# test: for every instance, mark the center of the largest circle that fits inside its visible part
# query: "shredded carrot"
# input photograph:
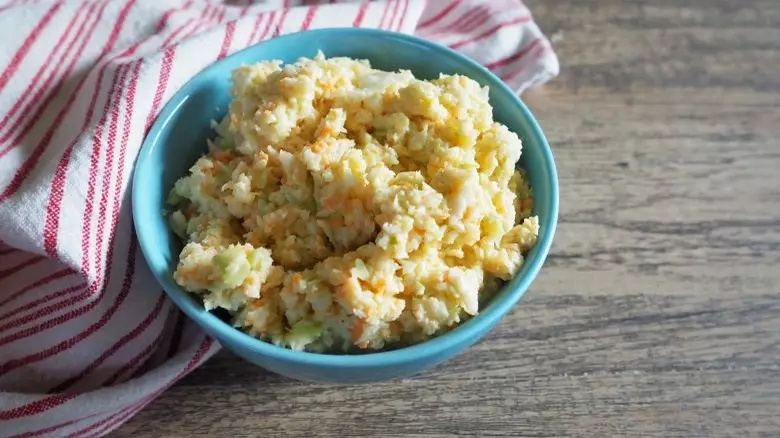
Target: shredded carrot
(318, 145)
(190, 211)
(223, 156)
(255, 241)
(357, 330)
(396, 327)
(296, 279)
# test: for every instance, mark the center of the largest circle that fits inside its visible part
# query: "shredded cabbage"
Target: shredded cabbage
(232, 266)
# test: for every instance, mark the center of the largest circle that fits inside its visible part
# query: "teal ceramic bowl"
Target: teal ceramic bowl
(178, 138)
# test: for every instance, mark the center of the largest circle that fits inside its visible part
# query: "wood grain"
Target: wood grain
(658, 312)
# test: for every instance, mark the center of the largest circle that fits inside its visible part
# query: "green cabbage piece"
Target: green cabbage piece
(232, 266)
(256, 259)
(303, 333)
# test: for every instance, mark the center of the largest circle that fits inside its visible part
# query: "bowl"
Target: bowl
(178, 138)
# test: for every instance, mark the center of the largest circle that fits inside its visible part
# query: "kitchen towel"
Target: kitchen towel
(87, 338)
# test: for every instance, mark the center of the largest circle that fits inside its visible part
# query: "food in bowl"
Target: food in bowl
(344, 208)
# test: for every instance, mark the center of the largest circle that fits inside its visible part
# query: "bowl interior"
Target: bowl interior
(179, 135)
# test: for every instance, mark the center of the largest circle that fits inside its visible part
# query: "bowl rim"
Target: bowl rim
(463, 333)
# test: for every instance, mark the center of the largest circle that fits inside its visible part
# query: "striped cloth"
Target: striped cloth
(87, 338)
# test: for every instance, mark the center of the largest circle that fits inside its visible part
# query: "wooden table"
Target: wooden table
(658, 311)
